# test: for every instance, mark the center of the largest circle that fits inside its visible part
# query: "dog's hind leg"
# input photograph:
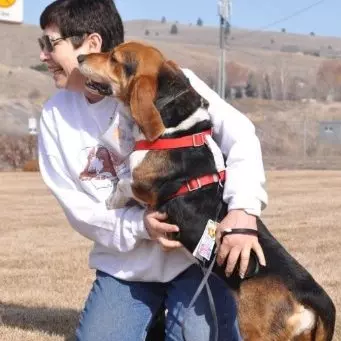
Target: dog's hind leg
(268, 311)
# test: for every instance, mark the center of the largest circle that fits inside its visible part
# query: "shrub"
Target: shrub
(15, 151)
(174, 29)
(39, 67)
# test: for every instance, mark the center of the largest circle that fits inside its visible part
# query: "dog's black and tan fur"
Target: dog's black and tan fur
(282, 301)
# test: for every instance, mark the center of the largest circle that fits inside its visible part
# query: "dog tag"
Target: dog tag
(206, 244)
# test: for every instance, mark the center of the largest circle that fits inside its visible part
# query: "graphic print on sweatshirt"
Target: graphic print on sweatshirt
(98, 166)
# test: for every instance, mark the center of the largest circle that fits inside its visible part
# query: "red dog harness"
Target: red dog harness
(196, 183)
(195, 140)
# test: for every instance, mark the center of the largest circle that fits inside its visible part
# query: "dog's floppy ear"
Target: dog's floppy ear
(143, 109)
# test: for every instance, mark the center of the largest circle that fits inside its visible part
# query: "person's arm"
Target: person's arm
(119, 229)
(235, 135)
(244, 188)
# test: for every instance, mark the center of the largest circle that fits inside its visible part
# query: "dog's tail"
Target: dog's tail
(324, 330)
(321, 332)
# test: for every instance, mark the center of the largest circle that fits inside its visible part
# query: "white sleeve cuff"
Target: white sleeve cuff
(250, 205)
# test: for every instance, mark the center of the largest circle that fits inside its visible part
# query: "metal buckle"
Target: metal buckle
(203, 103)
(200, 141)
(191, 189)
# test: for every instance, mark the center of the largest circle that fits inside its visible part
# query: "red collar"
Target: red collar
(195, 140)
(197, 183)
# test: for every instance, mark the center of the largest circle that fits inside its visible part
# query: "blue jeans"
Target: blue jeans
(118, 310)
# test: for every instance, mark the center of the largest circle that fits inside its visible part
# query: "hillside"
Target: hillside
(250, 47)
(193, 46)
(23, 89)
(240, 38)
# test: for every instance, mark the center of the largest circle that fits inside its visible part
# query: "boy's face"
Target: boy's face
(61, 59)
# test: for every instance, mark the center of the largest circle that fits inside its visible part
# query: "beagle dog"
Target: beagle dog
(175, 169)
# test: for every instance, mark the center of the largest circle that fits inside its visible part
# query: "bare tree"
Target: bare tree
(328, 80)
(277, 81)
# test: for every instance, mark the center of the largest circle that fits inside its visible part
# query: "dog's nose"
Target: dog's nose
(81, 58)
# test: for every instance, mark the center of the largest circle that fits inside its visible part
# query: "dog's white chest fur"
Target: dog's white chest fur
(123, 192)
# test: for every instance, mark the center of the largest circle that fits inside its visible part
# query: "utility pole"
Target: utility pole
(224, 12)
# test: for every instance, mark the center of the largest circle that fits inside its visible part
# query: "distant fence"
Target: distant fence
(286, 144)
(295, 144)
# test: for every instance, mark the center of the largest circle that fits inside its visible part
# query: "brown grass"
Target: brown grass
(44, 278)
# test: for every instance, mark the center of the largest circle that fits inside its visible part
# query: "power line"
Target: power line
(286, 18)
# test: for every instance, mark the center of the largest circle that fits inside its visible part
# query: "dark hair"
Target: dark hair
(76, 18)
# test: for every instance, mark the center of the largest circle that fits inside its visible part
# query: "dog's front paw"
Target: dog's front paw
(121, 195)
(114, 201)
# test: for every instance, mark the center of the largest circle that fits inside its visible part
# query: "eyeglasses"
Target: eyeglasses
(48, 43)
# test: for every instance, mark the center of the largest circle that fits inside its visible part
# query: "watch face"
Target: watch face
(6, 3)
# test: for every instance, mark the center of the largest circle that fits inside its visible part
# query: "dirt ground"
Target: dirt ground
(44, 278)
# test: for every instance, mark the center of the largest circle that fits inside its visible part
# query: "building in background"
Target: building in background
(330, 132)
(12, 11)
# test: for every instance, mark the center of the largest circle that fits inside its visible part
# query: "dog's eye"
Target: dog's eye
(130, 68)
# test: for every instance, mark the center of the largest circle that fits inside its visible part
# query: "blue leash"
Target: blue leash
(204, 283)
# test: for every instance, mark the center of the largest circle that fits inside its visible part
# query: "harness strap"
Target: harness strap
(195, 140)
(197, 183)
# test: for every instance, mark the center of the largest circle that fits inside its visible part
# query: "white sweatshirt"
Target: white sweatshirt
(79, 172)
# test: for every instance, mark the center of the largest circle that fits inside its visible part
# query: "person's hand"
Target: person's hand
(238, 245)
(158, 229)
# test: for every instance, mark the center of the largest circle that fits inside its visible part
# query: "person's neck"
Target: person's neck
(92, 98)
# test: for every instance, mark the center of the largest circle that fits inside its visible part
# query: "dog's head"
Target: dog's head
(130, 72)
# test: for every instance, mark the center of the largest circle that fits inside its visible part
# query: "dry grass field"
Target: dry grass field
(44, 277)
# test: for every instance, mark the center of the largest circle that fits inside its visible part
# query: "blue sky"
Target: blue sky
(322, 19)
